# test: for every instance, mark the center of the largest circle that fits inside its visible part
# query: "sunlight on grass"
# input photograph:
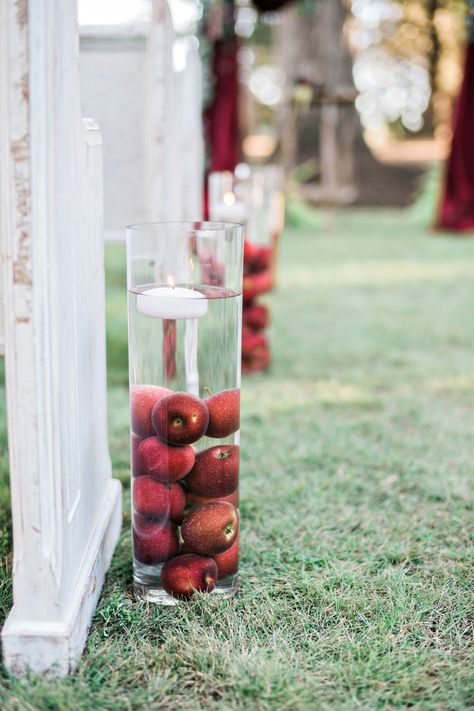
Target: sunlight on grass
(325, 392)
(377, 273)
(462, 383)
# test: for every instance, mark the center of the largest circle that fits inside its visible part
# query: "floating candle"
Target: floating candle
(172, 303)
(229, 210)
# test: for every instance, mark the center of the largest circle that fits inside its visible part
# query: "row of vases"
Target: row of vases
(187, 344)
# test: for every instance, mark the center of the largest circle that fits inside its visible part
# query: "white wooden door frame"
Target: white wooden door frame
(66, 507)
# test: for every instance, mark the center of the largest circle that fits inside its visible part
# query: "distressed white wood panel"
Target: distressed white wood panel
(112, 76)
(150, 118)
(66, 507)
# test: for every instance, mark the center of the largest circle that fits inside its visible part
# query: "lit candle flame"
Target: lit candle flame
(171, 282)
(229, 198)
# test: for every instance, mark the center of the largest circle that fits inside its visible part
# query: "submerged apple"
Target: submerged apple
(211, 528)
(165, 463)
(142, 400)
(215, 472)
(256, 317)
(186, 574)
(154, 541)
(224, 413)
(137, 465)
(256, 284)
(228, 561)
(180, 418)
(193, 499)
(256, 353)
(152, 499)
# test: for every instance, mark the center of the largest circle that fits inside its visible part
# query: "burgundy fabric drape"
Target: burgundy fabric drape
(222, 117)
(456, 210)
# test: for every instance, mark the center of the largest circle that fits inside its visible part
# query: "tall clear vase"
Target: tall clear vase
(185, 316)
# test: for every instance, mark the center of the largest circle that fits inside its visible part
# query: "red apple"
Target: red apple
(152, 499)
(257, 258)
(211, 528)
(251, 341)
(142, 399)
(224, 413)
(264, 258)
(255, 353)
(256, 284)
(186, 574)
(256, 317)
(215, 472)
(248, 334)
(180, 418)
(165, 463)
(228, 561)
(154, 541)
(137, 464)
(260, 361)
(195, 500)
(250, 257)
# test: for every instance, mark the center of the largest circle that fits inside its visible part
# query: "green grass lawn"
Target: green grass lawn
(357, 481)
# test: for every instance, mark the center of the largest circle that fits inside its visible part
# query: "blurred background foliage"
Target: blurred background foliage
(407, 61)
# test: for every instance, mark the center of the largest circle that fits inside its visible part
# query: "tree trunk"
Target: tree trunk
(322, 58)
(313, 47)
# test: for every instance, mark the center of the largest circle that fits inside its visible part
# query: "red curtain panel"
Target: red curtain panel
(221, 117)
(456, 210)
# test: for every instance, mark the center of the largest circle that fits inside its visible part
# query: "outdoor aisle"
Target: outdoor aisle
(356, 482)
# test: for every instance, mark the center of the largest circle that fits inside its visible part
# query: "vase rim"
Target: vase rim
(188, 225)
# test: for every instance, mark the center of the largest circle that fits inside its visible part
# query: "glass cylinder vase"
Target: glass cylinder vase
(254, 196)
(185, 316)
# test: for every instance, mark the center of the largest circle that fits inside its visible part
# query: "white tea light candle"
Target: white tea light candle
(172, 303)
(229, 210)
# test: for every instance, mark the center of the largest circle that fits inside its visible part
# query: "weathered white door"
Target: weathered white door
(66, 506)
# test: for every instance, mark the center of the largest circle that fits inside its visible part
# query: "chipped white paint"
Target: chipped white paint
(66, 507)
(112, 76)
